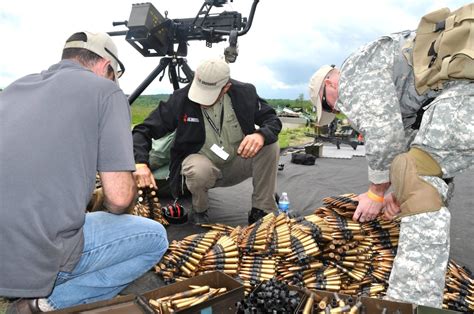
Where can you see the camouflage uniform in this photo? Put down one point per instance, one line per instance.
(377, 93)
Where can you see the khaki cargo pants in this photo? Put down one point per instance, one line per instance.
(201, 175)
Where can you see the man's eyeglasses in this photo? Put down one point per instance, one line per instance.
(122, 67)
(324, 103)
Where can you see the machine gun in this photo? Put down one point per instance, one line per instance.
(337, 138)
(155, 35)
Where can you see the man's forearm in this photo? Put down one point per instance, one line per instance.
(119, 190)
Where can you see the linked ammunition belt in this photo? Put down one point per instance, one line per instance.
(148, 206)
(325, 250)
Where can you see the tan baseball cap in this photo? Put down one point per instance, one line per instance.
(102, 45)
(315, 84)
(209, 79)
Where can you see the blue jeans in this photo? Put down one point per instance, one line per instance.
(117, 250)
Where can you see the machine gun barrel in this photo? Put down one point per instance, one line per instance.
(336, 140)
(242, 32)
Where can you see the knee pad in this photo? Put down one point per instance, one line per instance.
(414, 194)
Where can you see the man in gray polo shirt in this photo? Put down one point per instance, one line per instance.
(59, 128)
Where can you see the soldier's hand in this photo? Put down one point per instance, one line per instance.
(391, 207)
(367, 209)
(251, 145)
(144, 177)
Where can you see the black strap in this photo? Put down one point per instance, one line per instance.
(213, 125)
(419, 114)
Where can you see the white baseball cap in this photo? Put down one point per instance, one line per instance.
(209, 79)
(324, 117)
(100, 44)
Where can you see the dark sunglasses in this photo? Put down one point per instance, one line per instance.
(325, 106)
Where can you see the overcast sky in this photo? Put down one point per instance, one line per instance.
(287, 43)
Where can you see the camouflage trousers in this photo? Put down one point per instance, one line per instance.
(419, 269)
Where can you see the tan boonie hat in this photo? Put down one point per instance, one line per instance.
(102, 45)
(209, 79)
(315, 84)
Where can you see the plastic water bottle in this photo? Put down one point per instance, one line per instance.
(284, 203)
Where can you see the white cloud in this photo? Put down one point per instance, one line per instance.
(287, 42)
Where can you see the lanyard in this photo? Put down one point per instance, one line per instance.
(211, 122)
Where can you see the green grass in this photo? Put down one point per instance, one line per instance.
(139, 113)
(294, 137)
(3, 305)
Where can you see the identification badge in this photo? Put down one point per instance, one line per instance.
(219, 151)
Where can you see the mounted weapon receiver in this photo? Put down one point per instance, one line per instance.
(155, 35)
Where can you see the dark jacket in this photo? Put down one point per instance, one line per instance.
(185, 116)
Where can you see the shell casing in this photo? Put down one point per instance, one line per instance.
(255, 277)
(220, 266)
(263, 266)
(340, 309)
(312, 265)
(324, 287)
(323, 303)
(185, 270)
(308, 307)
(257, 271)
(187, 293)
(330, 271)
(230, 260)
(223, 254)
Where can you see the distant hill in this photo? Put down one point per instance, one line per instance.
(154, 100)
(150, 100)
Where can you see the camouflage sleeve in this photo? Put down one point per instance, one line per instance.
(447, 129)
(368, 97)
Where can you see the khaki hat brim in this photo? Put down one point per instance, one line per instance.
(322, 117)
(204, 96)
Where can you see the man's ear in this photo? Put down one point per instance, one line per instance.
(227, 87)
(100, 67)
(327, 82)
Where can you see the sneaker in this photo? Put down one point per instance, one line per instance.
(23, 306)
(255, 214)
(198, 218)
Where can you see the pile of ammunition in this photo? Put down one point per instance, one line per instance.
(183, 258)
(459, 290)
(185, 299)
(322, 251)
(148, 205)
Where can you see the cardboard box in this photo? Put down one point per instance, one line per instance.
(374, 305)
(117, 305)
(224, 303)
(371, 305)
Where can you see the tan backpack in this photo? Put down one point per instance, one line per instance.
(444, 48)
